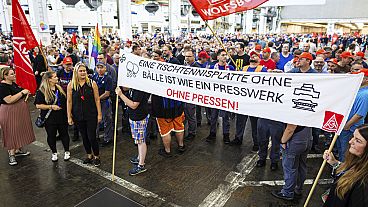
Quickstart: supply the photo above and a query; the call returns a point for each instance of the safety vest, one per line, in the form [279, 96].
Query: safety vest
[258, 68]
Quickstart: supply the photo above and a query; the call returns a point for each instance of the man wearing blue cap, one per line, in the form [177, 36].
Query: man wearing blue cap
[104, 83]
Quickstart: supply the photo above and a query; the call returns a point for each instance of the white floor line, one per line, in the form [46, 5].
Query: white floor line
[281, 182]
[310, 156]
[221, 195]
[123, 183]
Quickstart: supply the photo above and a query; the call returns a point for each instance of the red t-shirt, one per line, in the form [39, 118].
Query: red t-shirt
[269, 64]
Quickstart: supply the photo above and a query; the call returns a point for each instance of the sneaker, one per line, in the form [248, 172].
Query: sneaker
[280, 195]
[97, 162]
[181, 149]
[12, 160]
[261, 163]
[54, 157]
[226, 138]
[137, 170]
[88, 161]
[66, 156]
[211, 137]
[134, 160]
[236, 142]
[21, 153]
[163, 152]
[274, 167]
[255, 148]
[190, 137]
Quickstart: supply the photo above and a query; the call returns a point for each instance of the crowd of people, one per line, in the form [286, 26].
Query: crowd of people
[73, 93]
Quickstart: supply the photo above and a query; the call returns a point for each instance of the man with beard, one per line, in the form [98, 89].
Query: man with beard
[215, 113]
[241, 58]
[190, 109]
[344, 63]
[168, 55]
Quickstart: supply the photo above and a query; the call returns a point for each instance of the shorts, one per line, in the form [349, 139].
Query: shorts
[139, 130]
[166, 126]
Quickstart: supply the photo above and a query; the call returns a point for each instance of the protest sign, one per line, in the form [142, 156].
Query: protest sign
[314, 100]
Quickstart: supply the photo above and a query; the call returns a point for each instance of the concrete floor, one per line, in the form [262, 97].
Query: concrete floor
[207, 174]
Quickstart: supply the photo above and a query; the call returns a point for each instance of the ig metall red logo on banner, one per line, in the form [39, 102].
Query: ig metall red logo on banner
[332, 121]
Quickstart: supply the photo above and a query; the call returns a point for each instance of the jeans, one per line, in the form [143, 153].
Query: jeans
[342, 143]
[294, 161]
[266, 129]
[215, 113]
[107, 120]
[241, 121]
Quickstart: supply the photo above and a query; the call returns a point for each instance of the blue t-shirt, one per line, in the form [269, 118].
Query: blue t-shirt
[297, 70]
[230, 67]
[360, 107]
[104, 83]
[283, 60]
[204, 65]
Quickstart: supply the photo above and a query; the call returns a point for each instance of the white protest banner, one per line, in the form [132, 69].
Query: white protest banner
[313, 100]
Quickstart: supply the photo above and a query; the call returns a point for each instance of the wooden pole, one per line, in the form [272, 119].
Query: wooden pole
[222, 45]
[115, 130]
[44, 59]
[320, 171]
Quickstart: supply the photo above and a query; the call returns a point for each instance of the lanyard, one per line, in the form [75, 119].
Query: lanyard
[57, 97]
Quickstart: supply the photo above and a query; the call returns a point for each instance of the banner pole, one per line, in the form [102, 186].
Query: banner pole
[44, 59]
[320, 171]
[115, 130]
[222, 45]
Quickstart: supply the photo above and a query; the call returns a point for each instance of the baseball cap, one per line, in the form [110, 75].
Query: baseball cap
[361, 54]
[346, 54]
[100, 63]
[203, 54]
[321, 51]
[364, 71]
[267, 49]
[258, 47]
[67, 60]
[333, 60]
[306, 55]
[253, 53]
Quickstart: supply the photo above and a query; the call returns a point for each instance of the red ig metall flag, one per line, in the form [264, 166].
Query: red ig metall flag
[212, 9]
[23, 41]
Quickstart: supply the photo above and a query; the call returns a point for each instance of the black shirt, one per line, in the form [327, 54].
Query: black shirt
[56, 116]
[84, 105]
[141, 111]
[240, 61]
[356, 196]
[174, 60]
[8, 90]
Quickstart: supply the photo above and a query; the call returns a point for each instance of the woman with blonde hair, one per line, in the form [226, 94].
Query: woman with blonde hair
[83, 104]
[350, 188]
[16, 132]
[51, 100]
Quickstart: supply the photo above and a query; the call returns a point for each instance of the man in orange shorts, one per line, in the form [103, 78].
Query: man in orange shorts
[170, 118]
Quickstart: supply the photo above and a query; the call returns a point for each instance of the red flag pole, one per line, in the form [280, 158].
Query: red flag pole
[222, 45]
